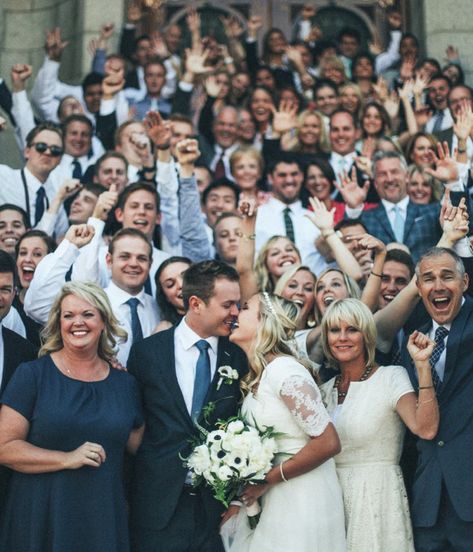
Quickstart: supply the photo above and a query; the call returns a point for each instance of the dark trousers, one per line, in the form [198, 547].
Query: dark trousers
[449, 534]
[188, 531]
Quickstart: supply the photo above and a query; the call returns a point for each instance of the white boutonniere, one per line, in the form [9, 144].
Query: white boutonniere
[227, 375]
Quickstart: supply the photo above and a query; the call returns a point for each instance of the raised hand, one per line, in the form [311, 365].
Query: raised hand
[367, 242]
[254, 25]
[80, 234]
[407, 89]
[158, 46]
[321, 216]
[212, 87]
[195, 61]
[158, 130]
[446, 168]
[187, 152]
[105, 203]
[392, 104]
[395, 19]
[422, 113]
[69, 188]
[134, 12]
[20, 73]
[247, 207]
[111, 85]
[407, 68]
[106, 31]
[88, 454]
[420, 84]
[193, 21]
[463, 126]
[232, 27]
[381, 89]
[54, 45]
[353, 195]
[285, 119]
[452, 53]
[294, 55]
[420, 347]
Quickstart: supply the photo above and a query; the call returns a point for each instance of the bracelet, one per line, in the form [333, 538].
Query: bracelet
[426, 387]
[419, 403]
[328, 233]
[163, 146]
[461, 150]
[281, 472]
[379, 276]
[246, 236]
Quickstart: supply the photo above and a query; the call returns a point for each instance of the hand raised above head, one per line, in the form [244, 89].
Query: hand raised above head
[80, 234]
[158, 130]
[248, 207]
[420, 347]
[54, 45]
[187, 151]
[105, 203]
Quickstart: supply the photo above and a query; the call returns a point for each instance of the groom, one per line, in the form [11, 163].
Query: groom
[177, 371]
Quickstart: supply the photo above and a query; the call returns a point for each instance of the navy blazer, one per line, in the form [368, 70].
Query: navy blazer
[448, 458]
[159, 470]
[421, 230]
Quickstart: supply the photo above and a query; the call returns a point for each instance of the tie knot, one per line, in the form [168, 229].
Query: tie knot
[287, 211]
[202, 345]
[133, 302]
[440, 334]
[41, 192]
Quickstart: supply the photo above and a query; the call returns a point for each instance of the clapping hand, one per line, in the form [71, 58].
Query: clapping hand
[80, 234]
[446, 168]
[353, 195]
[158, 130]
[420, 347]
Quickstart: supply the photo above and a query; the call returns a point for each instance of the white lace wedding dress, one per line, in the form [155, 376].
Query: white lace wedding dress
[371, 432]
[306, 513]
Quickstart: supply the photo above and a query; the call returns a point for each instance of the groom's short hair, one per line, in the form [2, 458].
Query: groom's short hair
[199, 280]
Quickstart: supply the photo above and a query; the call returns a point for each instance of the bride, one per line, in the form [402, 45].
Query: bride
[302, 505]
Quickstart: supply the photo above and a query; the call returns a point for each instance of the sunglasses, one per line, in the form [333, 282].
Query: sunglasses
[42, 147]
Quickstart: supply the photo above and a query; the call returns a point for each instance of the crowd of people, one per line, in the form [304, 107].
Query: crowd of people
[300, 214]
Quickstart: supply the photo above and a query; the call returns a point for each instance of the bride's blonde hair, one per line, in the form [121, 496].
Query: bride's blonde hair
[274, 336]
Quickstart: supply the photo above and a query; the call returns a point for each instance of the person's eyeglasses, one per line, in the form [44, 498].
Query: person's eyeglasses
[42, 147]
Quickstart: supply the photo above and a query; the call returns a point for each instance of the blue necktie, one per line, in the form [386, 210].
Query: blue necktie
[77, 171]
[202, 378]
[440, 335]
[398, 225]
[136, 331]
[147, 286]
[39, 205]
[438, 122]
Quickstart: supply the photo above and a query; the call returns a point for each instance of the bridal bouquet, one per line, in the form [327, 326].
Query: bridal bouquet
[232, 455]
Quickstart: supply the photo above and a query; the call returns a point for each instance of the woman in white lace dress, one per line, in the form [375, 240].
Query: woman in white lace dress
[302, 507]
[369, 406]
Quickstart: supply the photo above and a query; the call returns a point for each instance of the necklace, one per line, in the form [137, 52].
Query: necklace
[364, 376]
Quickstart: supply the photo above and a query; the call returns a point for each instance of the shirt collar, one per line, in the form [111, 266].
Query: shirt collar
[121, 296]
[189, 338]
[402, 205]
[350, 157]
[32, 181]
[280, 206]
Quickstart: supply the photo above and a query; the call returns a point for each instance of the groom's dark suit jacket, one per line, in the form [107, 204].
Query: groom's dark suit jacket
[16, 350]
[448, 458]
[159, 471]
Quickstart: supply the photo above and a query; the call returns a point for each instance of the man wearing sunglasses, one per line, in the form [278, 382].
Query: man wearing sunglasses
[31, 188]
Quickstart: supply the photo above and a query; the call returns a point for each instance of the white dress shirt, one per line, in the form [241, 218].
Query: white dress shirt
[270, 222]
[12, 191]
[340, 163]
[447, 121]
[147, 313]
[186, 355]
[13, 322]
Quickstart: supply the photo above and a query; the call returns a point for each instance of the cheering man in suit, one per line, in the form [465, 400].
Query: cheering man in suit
[442, 502]
[14, 349]
[177, 371]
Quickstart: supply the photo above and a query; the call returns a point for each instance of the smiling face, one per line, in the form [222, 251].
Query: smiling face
[422, 152]
[343, 134]
[12, 228]
[346, 343]
[112, 171]
[130, 263]
[441, 287]
[391, 180]
[77, 139]
[372, 121]
[225, 127]
[246, 171]
[327, 100]
[419, 189]
[438, 93]
[349, 99]
[82, 207]
[317, 183]
[170, 281]
[81, 324]
[248, 320]
[286, 182]
[218, 201]
[280, 256]
[330, 287]
[363, 68]
[7, 293]
[30, 253]
[300, 289]
[261, 106]
[395, 278]
[227, 233]
[139, 212]
[310, 130]
[155, 76]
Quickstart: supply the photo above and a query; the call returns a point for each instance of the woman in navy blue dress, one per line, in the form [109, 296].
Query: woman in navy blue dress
[65, 422]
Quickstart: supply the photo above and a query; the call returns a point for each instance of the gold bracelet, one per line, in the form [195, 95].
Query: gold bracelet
[246, 236]
[281, 472]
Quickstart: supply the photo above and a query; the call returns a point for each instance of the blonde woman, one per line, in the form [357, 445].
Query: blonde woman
[310, 136]
[246, 166]
[65, 422]
[302, 506]
[370, 405]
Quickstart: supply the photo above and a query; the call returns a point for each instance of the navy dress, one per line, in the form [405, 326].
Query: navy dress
[73, 510]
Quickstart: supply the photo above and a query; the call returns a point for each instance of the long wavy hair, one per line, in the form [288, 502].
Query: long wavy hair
[275, 331]
[353, 289]
[263, 277]
[112, 333]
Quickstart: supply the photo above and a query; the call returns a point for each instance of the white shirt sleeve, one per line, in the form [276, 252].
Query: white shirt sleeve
[23, 114]
[87, 266]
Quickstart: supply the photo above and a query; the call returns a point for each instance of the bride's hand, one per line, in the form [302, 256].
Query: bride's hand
[232, 510]
[251, 493]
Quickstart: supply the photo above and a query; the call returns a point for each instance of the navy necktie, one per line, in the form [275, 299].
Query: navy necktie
[137, 332]
[77, 171]
[201, 379]
[288, 224]
[147, 286]
[39, 205]
[438, 122]
[440, 335]
[219, 171]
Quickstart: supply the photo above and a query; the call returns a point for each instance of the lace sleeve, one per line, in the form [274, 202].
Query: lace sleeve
[302, 397]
